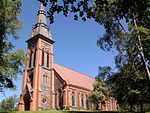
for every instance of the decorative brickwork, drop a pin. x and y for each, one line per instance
(46, 47)
(45, 88)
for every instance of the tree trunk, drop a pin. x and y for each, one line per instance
(97, 106)
(141, 107)
(140, 48)
(131, 107)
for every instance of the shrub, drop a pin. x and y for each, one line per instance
(67, 108)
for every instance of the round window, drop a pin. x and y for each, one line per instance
(44, 100)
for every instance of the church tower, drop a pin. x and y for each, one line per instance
(38, 79)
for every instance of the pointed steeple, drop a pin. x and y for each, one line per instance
(41, 16)
(41, 25)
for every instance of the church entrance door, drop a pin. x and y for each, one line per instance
(27, 101)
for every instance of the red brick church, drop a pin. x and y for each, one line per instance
(49, 85)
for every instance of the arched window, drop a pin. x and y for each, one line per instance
(82, 101)
(45, 78)
(31, 79)
(73, 100)
(48, 60)
(34, 58)
(42, 57)
(44, 100)
(60, 99)
(30, 62)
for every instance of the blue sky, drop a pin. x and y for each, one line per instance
(75, 43)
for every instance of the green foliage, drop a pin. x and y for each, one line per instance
(126, 31)
(104, 73)
(9, 104)
(10, 23)
(10, 61)
(67, 108)
(11, 66)
(99, 93)
(130, 88)
(65, 6)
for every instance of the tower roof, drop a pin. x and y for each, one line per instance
(41, 26)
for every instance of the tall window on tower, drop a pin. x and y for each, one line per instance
(31, 79)
(30, 62)
(48, 60)
(34, 61)
(42, 57)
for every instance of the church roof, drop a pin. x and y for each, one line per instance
(74, 78)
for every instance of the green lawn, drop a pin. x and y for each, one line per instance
(57, 111)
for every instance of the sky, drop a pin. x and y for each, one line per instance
(75, 43)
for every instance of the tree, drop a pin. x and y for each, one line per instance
(9, 104)
(99, 93)
(10, 61)
(101, 89)
(130, 87)
(104, 73)
(113, 14)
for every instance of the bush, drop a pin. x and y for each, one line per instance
(9, 104)
(67, 108)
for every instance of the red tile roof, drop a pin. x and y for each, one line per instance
(74, 78)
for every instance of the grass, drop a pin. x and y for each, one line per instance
(69, 111)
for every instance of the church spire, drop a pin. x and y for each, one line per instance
(41, 16)
(41, 26)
